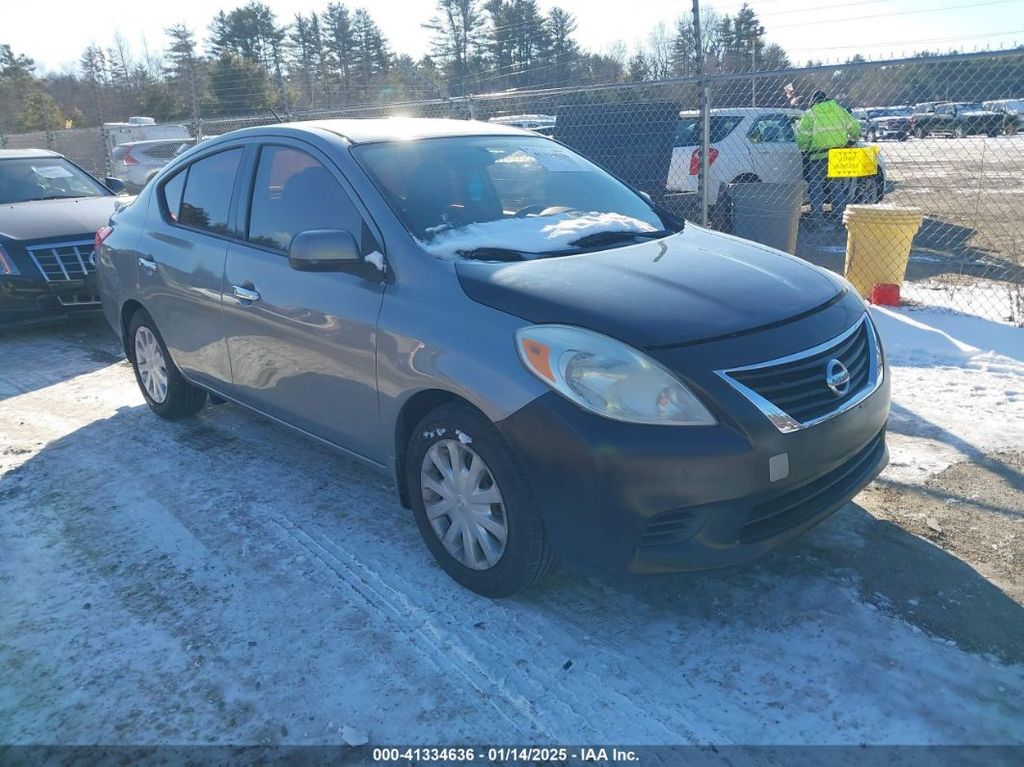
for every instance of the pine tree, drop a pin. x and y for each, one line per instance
(39, 112)
(564, 50)
(184, 70)
(370, 55)
(458, 29)
(338, 44)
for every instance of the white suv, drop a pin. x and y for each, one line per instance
(747, 145)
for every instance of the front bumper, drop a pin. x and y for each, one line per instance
(620, 496)
(25, 299)
(891, 131)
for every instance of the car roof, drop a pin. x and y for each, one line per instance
(370, 130)
(744, 111)
(155, 141)
(15, 154)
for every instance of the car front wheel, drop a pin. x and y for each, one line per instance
(473, 505)
(166, 391)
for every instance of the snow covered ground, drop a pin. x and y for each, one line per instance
(225, 581)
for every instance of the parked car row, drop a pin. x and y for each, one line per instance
(962, 119)
(879, 123)
(951, 118)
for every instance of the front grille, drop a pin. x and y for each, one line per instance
(790, 509)
(794, 392)
(63, 261)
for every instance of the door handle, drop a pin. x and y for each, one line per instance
(245, 295)
(148, 264)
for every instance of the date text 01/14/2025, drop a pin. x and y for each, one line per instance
(503, 754)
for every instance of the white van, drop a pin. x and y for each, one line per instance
(141, 129)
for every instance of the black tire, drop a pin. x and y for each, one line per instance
(919, 133)
(872, 136)
(182, 398)
(959, 132)
(527, 556)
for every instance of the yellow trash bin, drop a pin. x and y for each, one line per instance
(878, 244)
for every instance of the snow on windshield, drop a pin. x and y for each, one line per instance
(533, 234)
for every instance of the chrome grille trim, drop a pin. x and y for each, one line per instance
(63, 261)
(782, 420)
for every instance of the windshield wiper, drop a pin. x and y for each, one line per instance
(56, 197)
(497, 254)
(610, 238)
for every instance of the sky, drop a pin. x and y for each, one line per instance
(55, 32)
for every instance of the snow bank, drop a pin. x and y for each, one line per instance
(957, 388)
(533, 234)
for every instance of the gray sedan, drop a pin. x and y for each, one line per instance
(546, 362)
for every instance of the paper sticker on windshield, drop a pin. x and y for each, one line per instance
(555, 159)
(53, 171)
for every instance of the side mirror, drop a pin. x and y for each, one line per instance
(325, 250)
(115, 185)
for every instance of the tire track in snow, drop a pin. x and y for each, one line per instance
(428, 637)
(402, 607)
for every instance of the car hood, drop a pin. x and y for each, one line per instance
(692, 286)
(53, 219)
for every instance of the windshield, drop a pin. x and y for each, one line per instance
(970, 106)
(688, 129)
(483, 196)
(45, 178)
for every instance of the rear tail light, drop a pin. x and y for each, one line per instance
(6, 264)
(127, 158)
(101, 234)
(695, 160)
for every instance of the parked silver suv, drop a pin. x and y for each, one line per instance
(545, 361)
(137, 162)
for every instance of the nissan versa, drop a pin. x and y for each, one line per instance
(547, 363)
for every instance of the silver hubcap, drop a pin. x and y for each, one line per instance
(150, 362)
(464, 504)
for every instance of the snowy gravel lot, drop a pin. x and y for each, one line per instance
(223, 580)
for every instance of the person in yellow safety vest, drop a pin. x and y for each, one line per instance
(825, 125)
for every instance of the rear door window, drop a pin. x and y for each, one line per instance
(207, 197)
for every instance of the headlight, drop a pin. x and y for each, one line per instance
(608, 377)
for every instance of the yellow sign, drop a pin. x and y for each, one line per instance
(853, 162)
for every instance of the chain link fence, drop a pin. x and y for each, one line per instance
(946, 129)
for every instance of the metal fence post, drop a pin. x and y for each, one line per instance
(705, 117)
(107, 162)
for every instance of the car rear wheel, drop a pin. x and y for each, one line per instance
(1010, 129)
(473, 504)
(960, 131)
(166, 391)
(919, 133)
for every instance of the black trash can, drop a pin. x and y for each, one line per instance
(767, 213)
